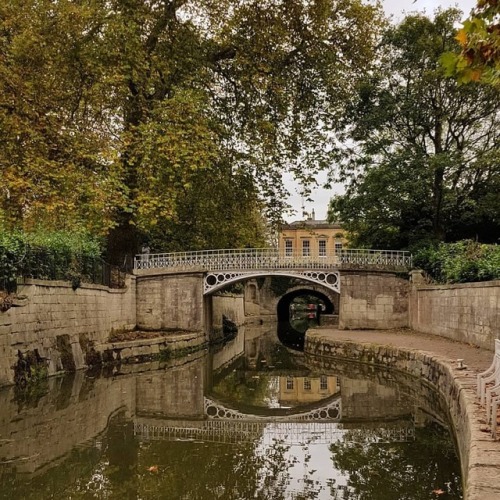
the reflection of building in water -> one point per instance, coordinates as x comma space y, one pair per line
293, 390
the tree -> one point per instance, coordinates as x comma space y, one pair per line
422, 154
266, 76
174, 88
219, 209
58, 164
479, 39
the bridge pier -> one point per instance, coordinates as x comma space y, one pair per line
171, 300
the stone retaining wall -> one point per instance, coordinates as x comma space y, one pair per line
468, 312
55, 322
479, 458
373, 300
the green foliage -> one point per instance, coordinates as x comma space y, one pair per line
218, 209
58, 162
397, 471
423, 154
460, 262
140, 102
50, 255
479, 39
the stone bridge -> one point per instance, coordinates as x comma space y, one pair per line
174, 289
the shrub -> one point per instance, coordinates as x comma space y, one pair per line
46, 255
460, 262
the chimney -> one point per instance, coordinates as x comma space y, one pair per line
313, 215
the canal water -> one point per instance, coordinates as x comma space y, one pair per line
252, 419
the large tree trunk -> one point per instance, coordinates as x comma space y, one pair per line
125, 239
438, 185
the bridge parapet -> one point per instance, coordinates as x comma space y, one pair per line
243, 259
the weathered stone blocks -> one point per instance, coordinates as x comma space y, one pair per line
52, 310
468, 312
479, 457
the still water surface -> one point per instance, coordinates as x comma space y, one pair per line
249, 420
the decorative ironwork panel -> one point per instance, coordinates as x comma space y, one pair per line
328, 413
271, 258
215, 280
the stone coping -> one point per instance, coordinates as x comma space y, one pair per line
67, 284
155, 271
161, 340
479, 453
454, 286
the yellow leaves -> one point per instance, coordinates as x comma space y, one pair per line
476, 75
479, 40
461, 37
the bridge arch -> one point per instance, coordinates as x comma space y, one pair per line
214, 280
328, 298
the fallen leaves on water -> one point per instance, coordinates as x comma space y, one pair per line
438, 492
153, 468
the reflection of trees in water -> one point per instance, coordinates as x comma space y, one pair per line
122, 468
303, 323
115, 464
399, 471
239, 388
196, 470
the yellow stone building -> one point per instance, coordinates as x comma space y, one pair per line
311, 238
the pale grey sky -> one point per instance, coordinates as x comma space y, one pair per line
397, 9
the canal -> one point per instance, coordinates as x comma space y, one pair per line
250, 419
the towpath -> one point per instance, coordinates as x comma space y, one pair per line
482, 461
475, 358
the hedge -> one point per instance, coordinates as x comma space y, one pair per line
460, 262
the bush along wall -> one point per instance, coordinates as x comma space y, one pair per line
460, 262
74, 257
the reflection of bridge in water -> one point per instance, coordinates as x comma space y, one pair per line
317, 426
290, 433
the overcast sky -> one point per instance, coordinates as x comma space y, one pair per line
397, 9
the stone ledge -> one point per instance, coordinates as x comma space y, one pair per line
67, 284
453, 286
479, 454
149, 349
163, 340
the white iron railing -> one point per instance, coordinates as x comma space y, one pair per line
272, 258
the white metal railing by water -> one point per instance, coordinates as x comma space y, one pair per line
271, 258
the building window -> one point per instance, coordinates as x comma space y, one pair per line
323, 383
306, 248
322, 248
307, 384
289, 383
338, 246
288, 248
